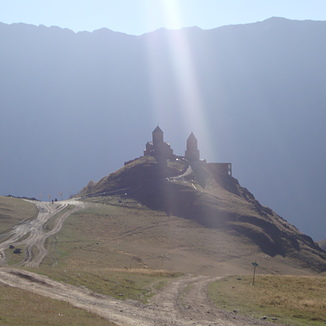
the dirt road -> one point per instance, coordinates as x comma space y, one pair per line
32, 234
183, 302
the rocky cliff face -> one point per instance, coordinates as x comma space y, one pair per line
214, 200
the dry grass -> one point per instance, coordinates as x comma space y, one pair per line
298, 300
19, 307
128, 251
211, 200
129, 237
118, 283
125, 250
120, 248
90, 251
150, 272
14, 211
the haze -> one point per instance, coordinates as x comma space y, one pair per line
75, 106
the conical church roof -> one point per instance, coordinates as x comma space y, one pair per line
157, 130
192, 137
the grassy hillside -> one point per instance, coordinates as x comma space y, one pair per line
96, 249
295, 300
14, 211
118, 247
19, 307
214, 200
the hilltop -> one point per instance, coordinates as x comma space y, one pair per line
210, 196
217, 201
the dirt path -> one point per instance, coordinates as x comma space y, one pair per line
32, 234
183, 302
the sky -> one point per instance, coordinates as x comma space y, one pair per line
137, 17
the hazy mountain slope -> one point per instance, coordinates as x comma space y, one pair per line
213, 200
75, 106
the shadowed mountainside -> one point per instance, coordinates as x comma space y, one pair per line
196, 192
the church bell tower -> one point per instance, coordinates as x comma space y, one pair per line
192, 152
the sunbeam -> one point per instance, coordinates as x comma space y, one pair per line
175, 93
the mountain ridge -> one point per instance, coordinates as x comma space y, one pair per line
261, 97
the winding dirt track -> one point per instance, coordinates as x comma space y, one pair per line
182, 302
32, 234
170, 307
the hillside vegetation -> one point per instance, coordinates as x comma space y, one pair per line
150, 223
211, 200
14, 211
295, 300
19, 306
121, 248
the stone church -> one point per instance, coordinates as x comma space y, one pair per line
159, 149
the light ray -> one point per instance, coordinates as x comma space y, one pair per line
184, 88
